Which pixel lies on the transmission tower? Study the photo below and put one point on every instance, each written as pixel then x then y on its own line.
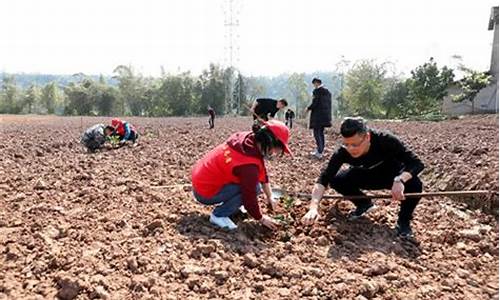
pixel 231 54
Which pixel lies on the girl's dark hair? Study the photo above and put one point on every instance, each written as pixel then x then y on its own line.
pixel 265 138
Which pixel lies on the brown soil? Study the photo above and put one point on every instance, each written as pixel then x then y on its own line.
pixel 78 226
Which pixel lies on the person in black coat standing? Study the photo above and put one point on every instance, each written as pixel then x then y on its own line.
pixel 289 116
pixel 321 115
pixel 211 117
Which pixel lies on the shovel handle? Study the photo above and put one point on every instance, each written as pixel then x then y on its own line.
pixel 407 195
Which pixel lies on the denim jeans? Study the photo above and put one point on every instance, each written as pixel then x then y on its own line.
pixel 228 200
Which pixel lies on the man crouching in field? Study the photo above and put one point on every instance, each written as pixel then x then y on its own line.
pixel 378 160
pixel 94 137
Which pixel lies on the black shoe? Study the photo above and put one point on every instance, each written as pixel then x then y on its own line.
pixel 360 211
pixel 404 230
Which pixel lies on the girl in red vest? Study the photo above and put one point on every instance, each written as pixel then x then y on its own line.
pixel 231 174
pixel 124 130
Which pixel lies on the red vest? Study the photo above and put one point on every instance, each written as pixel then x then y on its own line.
pixel 119 126
pixel 215 170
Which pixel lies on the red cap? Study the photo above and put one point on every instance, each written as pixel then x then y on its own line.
pixel 281 132
pixel 115 122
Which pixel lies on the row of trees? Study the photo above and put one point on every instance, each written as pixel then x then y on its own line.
pixel 367 88
pixel 371 89
pixel 134 94
pixel 34 99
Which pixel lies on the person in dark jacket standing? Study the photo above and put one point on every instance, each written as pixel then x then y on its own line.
pixel 321 115
pixel 211 117
pixel 289 116
pixel 378 160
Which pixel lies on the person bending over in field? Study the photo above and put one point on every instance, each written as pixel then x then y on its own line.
pixel 231 174
pixel 94 137
pixel 125 131
pixel 265 109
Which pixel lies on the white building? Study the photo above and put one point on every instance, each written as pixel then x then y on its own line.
pixel 486 101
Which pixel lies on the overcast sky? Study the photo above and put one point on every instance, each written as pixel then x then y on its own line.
pixel 94 36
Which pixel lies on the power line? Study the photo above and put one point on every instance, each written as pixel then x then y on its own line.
pixel 231 53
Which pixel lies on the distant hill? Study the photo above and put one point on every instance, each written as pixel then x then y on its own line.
pixel 277 87
pixel 24 80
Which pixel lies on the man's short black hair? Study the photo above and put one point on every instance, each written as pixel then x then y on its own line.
pixel 316 80
pixel 283 101
pixel 353 125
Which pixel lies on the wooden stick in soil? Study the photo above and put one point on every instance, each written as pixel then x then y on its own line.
pixel 253 113
pixel 372 196
pixel 170 186
pixel 407 195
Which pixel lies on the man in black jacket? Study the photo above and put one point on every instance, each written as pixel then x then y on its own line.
pixel 267 108
pixel 378 160
pixel 321 115
pixel 211 117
